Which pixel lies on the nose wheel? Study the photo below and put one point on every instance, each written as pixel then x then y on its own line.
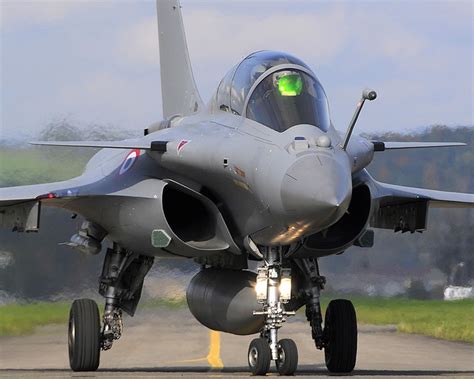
pixel 260 357
pixel 287 357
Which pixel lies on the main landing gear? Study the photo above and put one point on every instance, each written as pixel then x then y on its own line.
pixel 339 336
pixel 121 284
pixel 273 290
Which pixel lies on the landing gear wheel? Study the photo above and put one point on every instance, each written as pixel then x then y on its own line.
pixel 259 356
pixel 84 335
pixel 287 357
pixel 340 331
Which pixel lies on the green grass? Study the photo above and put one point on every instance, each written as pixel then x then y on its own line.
pixel 450 320
pixel 177 303
pixel 19 319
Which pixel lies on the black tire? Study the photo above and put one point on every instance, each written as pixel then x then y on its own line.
pixel 340 332
pixel 84 335
pixel 259 356
pixel 287 362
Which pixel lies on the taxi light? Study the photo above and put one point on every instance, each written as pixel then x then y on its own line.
pixel 285 286
pixel 262 284
pixel 290 85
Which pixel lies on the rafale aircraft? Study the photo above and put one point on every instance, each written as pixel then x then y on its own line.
pixel 258 174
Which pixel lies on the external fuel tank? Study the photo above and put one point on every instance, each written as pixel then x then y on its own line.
pixel 224 300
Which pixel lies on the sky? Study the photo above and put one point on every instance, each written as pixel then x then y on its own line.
pixel 98 62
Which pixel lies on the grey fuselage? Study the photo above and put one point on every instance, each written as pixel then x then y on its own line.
pixel 267 185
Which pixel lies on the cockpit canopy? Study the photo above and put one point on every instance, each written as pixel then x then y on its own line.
pixel 276 90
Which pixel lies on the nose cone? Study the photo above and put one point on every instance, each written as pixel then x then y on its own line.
pixel 317 189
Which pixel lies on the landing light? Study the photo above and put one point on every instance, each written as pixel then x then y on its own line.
pixel 261 286
pixel 285 286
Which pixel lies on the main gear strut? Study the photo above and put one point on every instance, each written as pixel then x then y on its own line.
pixel 112 322
pixel 312 288
pixel 121 284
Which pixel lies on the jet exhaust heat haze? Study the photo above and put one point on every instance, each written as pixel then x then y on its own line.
pixel 257 174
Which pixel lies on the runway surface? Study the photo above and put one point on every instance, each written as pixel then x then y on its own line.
pixel 170 343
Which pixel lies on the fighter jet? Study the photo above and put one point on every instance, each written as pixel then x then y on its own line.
pixel 258 174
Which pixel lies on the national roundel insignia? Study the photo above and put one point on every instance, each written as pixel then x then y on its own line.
pixel 129 161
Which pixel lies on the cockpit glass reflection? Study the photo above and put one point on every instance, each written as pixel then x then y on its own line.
pixel 275 89
pixel 287 98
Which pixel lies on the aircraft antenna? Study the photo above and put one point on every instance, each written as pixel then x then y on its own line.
pixel 367 94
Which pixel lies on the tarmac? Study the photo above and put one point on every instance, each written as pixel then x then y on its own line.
pixel 171 343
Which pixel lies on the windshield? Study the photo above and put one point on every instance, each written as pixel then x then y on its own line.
pixel 235 86
pixel 287 98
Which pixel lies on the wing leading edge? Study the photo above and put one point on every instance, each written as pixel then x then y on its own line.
pixel 159 146
pixel 383 146
pixel 436 199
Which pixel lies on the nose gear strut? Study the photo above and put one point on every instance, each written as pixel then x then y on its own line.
pixel 273 290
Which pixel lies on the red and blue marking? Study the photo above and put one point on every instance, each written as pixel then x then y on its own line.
pixel 129 161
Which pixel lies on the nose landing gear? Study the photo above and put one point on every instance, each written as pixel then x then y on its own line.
pixel 273 290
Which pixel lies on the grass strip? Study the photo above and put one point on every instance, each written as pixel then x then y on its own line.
pixel 20 319
pixel 449 320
